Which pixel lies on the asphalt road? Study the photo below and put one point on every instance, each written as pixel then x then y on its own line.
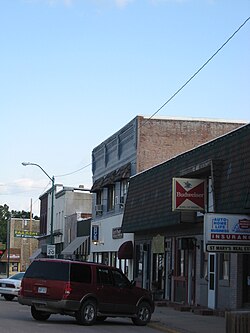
pixel 16 318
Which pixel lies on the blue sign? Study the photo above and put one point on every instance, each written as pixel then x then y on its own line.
pixel 95 233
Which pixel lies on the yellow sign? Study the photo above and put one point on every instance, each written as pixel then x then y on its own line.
pixel 25 234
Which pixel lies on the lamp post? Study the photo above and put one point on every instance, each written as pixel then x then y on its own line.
pixel 8 246
pixel 52 197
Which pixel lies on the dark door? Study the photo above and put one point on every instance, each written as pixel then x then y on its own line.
pixel 246 279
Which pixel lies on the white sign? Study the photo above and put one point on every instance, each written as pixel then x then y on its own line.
pixel 227 233
pixel 228 248
pixel 51 250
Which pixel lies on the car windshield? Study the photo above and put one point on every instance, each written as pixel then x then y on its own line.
pixel 17 276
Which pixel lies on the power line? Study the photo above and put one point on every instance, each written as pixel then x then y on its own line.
pixel 179 90
pixel 71 173
pixel 193 76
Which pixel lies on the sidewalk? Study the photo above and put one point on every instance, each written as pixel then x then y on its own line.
pixel 169 320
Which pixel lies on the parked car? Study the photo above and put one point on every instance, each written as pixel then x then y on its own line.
pixel 10 287
pixel 84 290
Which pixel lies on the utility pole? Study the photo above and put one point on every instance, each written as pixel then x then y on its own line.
pixel 30 230
pixel 8 246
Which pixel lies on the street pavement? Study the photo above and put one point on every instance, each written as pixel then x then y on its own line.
pixel 169 320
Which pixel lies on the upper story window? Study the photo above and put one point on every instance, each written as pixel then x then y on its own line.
pixel 111 197
pixel 123 190
pixel 98 202
pixel 99 197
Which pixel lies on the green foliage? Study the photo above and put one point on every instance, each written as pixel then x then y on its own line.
pixel 4 217
pixel 20 214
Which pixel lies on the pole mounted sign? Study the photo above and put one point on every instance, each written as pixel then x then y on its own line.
pixel 189 194
pixel 51 250
pixel 227 233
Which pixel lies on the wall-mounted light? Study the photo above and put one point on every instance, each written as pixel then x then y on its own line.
pixel 98 243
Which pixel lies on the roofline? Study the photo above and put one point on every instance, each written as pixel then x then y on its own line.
pixel 204 119
pixel 188 151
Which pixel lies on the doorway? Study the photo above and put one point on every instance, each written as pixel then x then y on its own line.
pixel 246 280
pixel 212 278
pixel 184 272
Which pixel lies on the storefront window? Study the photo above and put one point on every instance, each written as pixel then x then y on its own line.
pixel 204 263
pixel 180 269
pixel 224 266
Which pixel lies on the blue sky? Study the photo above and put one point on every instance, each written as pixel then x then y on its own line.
pixel 73 72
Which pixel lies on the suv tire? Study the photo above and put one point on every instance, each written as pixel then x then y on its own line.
pixel 8 297
pixel 143 315
pixel 86 315
pixel 39 315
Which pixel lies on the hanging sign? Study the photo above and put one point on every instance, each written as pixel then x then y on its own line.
pixel 189 194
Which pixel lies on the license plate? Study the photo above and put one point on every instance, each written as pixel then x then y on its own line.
pixel 42 290
pixel 3 285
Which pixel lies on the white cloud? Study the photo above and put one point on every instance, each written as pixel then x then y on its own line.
pixel 23 185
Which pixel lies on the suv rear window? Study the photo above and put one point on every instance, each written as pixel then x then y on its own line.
pixel 48 271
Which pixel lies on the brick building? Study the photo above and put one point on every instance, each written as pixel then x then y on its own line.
pixel 23 243
pixel 139 145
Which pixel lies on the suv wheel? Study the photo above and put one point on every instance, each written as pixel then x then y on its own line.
pixel 143 315
pixel 39 315
pixel 8 297
pixel 87 313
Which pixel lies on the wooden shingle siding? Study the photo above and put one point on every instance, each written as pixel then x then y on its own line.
pixel 149 200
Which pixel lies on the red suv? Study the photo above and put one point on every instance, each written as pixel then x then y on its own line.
pixel 84 290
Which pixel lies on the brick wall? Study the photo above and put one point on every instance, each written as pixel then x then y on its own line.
pixel 162 139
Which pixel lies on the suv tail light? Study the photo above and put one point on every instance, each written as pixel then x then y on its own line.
pixel 67 290
pixel 21 289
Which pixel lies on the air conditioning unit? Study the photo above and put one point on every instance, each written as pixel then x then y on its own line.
pixel 99 208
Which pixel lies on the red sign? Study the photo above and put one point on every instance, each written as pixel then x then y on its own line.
pixel 189 194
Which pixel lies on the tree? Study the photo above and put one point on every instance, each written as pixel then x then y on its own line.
pixel 4 217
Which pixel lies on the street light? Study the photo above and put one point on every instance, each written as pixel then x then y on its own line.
pixel 52 198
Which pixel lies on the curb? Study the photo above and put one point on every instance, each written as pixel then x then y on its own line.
pixel 162 328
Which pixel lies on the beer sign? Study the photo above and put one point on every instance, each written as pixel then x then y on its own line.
pixel 189 194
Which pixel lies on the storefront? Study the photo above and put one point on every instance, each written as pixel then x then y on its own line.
pixel 167 208
pixel 11 262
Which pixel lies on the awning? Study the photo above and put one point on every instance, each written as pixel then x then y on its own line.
pixel 74 245
pixel 97 185
pixel 123 172
pixel 109 179
pixel 126 250
pixel 15 255
pixel 35 254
